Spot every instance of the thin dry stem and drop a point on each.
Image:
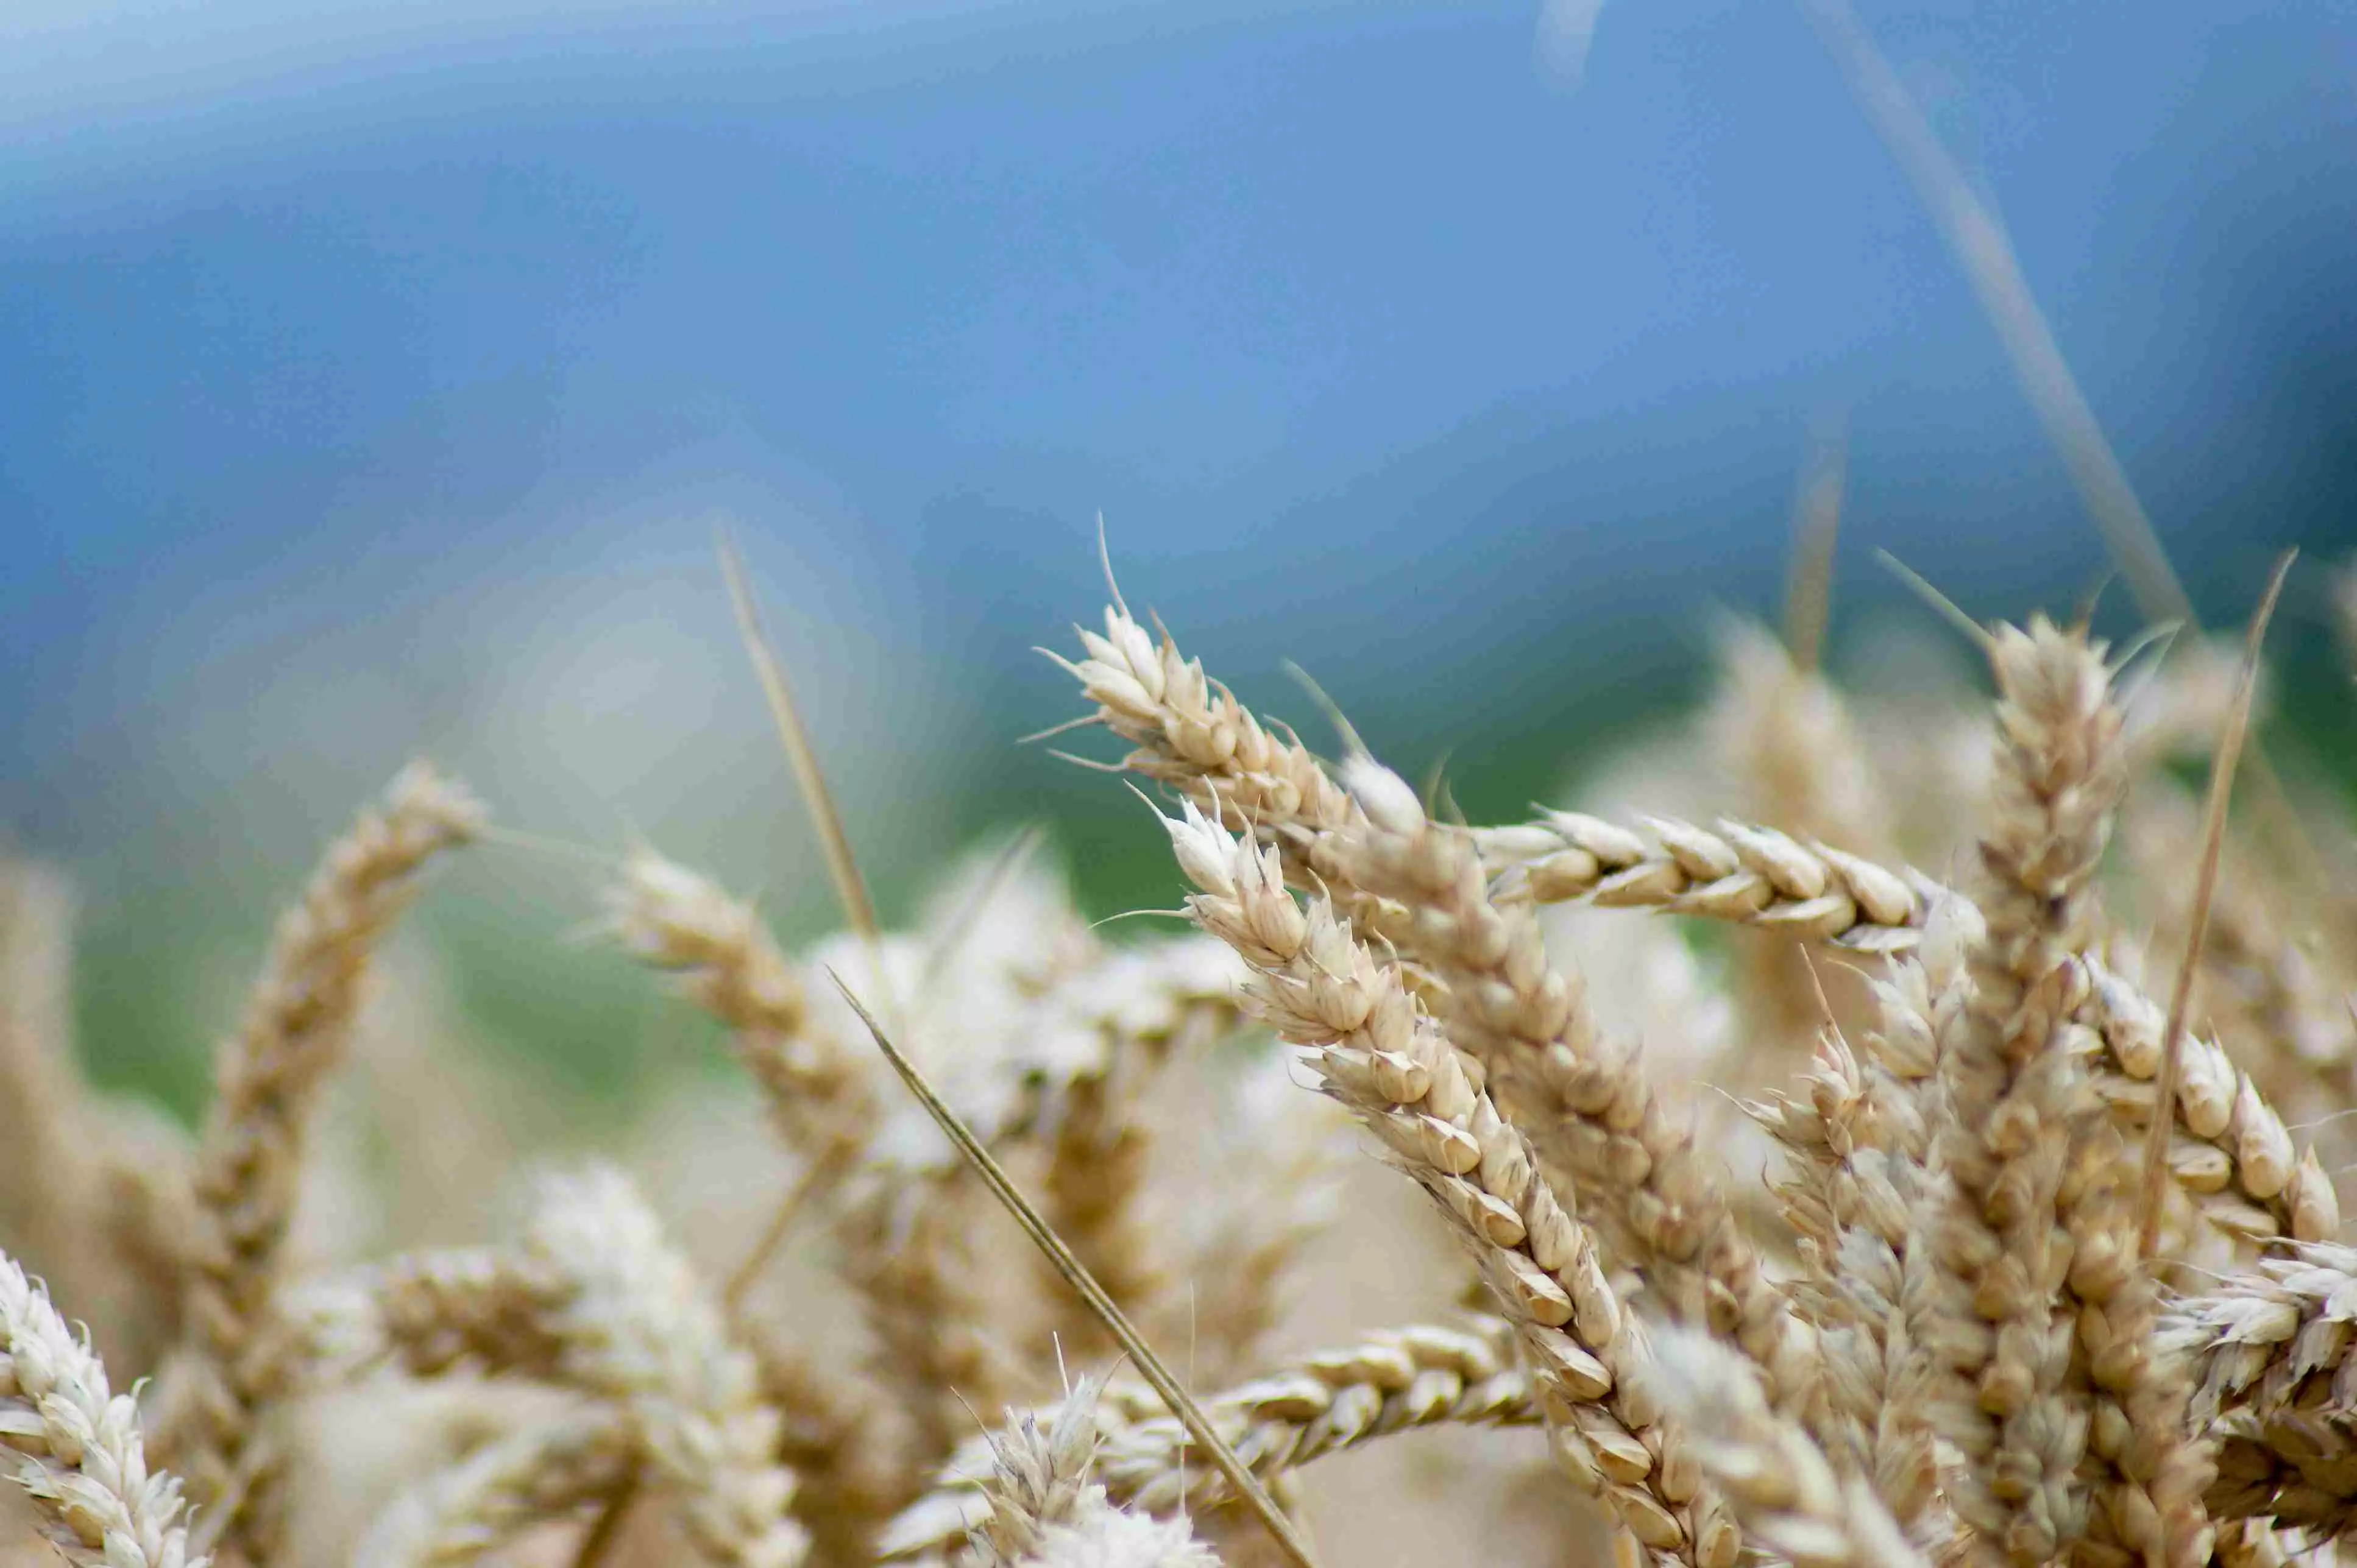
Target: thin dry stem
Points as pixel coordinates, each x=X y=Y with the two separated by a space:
x=2213 y=839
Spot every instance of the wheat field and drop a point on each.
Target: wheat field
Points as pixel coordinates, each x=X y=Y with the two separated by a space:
x=1862 y=1131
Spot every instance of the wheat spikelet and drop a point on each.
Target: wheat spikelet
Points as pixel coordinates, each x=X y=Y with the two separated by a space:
x=640 y=1331
x=548 y=1470
x=1776 y=1478
x=1318 y=986
x=297 y=1020
x=80 y=1454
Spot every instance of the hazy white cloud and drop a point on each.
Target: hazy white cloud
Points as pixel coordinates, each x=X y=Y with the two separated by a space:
x=1567 y=29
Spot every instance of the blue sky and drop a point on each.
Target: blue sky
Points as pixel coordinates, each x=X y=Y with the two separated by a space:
x=336 y=348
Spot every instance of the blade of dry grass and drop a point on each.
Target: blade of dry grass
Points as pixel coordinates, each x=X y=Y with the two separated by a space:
x=2213 y=839
x=1280 y=1528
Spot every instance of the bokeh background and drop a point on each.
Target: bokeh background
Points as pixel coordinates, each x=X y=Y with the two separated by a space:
x=372 y=380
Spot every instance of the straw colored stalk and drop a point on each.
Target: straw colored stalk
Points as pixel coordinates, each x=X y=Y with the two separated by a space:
x=2232 y=1152
x=547 y=1471
x=1860 y=1134
x=79 y=1452
x=1787 y=1494
x=639 y=1330
x=1421 y=886
x=2275 y=998
x=297 y=1021
x=1376 y=1051
x=1405 y=1379
x=728 y=962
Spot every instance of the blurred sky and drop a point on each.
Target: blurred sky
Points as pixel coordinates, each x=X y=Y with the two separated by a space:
x=371 y=378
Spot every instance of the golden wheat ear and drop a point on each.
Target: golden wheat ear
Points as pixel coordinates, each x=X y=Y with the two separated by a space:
x=1281 y=1529
x=79 y=1452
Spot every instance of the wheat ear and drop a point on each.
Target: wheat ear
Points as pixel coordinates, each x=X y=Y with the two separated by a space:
x=79 y=1448
x=1403 y=1379
x=1421 y=886
x=1783 y=1487
x=297 y=1020
x=1318 y=986
x=545 y=1471
x=2032 y=1231
x=1860 y=1134
x=491 y=1308
x=638 y=1329
x=683 y=922
x=2230 y=1150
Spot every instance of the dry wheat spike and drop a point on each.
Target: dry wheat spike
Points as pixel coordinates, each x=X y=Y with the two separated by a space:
x=297 y=1020
x=80 y=1454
